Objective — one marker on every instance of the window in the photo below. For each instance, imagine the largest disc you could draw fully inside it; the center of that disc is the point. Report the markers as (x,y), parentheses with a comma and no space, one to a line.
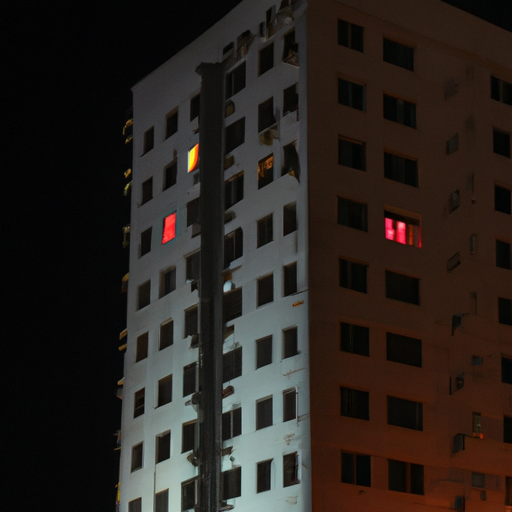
(233,246)
(143,295)
(149,140)
(232,483)
(508,490)
(191,321)
(398,168)
(400,111)
(189,494)
(163,447)
(477,423)
(355,403)
(290,344)
(232,304)
(265,171)
(355,339)
(289,218)
(242,44)
(504,311)
(264,413)
(405,413)
(351,94)
(266,58)
(194,212)
(356,469)
(264,474)
(167,281)
(291,161)
(290,469)
(170,174)
(506,370)
(232,364)
(477,479)
(166,334)
(452,144)
(235,135)
(138,403)
(263,352)
(142,347)
(351,153)
(162,501)
(169,228)
(350,35)
(136,456)
(188,436)
(398,54)
(501,143)
(290,49)
(352,214)
(235,80)
(403,349)
(171,124)
(266,116)
(265,230)
(164,391)
(507,429)
(290,99)
(265,290)
(290,279)
(189,379)
(195,106)
(403,288)
(145,242)
(234,190)
(501,90)
(405,477)
(502,199)
(289,404)
(232,423)
(193,264)
(135,505)
(503,255)
(147,191)
(353,275)
(402,229)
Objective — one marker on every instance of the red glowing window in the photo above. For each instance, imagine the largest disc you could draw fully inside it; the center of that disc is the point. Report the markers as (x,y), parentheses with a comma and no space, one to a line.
(169,230)
(404,230)
(193,158)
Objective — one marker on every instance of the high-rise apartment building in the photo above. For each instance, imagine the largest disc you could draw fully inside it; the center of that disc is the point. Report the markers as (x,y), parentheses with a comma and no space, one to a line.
(367,351)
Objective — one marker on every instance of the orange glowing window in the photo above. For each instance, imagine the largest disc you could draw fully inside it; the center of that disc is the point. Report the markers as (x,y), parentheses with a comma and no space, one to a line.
(193,158)
(404,230)
(169,230)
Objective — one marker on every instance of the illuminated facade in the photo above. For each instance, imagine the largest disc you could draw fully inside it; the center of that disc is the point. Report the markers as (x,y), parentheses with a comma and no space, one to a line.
(367,263)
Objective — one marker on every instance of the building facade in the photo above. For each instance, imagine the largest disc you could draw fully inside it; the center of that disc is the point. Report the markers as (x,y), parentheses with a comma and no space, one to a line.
(367,263)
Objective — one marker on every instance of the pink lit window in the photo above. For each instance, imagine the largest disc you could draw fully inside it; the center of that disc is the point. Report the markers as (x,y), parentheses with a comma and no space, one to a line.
(402,229)
(169,230)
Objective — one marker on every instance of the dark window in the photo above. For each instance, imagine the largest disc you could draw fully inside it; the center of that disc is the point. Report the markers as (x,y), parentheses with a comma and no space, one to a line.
(188,436)
(400,111)
(351,94)
(149,140)
(138,403)
(352,154)
(171,124)
(189,494)
(232,304)
(403,349)
(233,190)
(405,413)
(166,334)
(265,290)
(506,370)
(137,456)
(266,116)
(290,49)
(194,212)
(452,144)
(235,135)
(264,413)
(508,490)
(170,174)
(290,279)
(142,347)
(232,423)
(232,483)
(504,311)
(501,90)
(507,429)
(193,264)
(503,254)
(405,477)
(242,44)
(163,447)
(266,58)
(135,505)
(235,80)
(189,379)
(350,35)
(191,321)
(147,191)
(398,54)
(144,295)
(502,199)
(164,391)
(265,171)
(291,163)
(401,229)
(232,365)
(403,288)
(162,501)
(289,404)
(356,469)
(290,99)
(290,469)
(398,168)
(501,143)
(265,230)
(355,403)
(195,106)
(353,275)
(167,281)
(233,246)
(352,214)
(290,342)
(145,241)
(355,339)
(289,218)
(264,474)
(477,479)
(263,352)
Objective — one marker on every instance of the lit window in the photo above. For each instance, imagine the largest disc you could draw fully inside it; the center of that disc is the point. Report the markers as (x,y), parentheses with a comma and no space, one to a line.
(401,229)
(193,158)
(265,171)
(169,228)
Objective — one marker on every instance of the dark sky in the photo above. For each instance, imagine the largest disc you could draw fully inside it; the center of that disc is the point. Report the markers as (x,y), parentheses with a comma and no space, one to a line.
(69,70)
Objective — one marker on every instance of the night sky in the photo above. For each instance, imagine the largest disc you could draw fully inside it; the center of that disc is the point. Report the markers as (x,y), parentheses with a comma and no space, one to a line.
(69,70)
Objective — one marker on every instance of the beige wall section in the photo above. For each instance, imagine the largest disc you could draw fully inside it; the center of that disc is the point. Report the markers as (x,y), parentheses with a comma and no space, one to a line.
(450,45)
